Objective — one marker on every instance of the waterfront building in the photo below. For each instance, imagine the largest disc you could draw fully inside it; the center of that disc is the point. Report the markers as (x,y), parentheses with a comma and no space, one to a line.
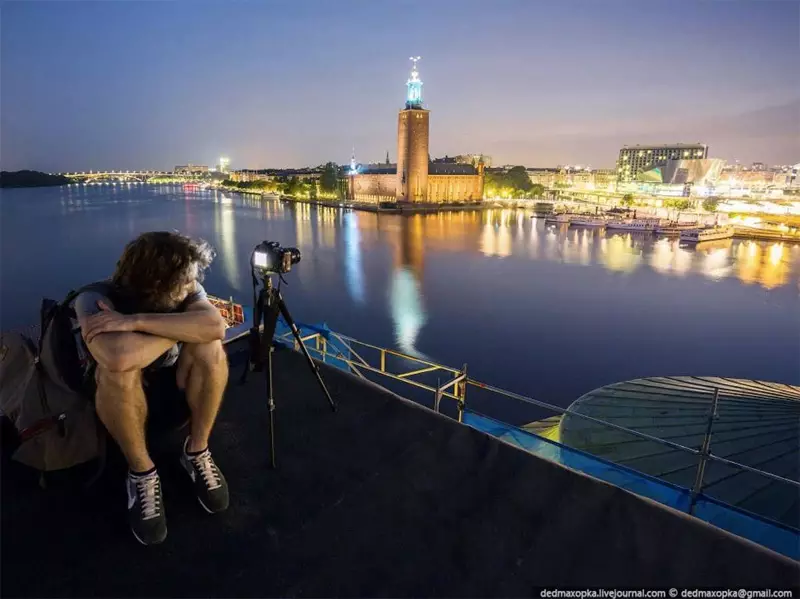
(414,178)
(543,176)
(191,169)
(605,179)
(636,159)
(246,175)
(268,174)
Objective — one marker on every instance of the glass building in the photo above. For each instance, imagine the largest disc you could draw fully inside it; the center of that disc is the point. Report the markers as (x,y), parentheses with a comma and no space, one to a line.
(637,159)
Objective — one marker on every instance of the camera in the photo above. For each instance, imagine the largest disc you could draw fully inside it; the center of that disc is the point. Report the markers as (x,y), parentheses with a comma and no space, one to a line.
(270,258)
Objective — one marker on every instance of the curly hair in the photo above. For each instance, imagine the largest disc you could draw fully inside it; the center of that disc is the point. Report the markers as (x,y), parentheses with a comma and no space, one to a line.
(155,267)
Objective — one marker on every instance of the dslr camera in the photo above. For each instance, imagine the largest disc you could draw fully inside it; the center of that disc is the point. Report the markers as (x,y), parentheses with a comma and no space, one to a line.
(270,258)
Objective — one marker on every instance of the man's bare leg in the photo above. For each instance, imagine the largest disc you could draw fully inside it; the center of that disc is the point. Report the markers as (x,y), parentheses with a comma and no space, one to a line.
(121,405)
(203,373)
(122,408)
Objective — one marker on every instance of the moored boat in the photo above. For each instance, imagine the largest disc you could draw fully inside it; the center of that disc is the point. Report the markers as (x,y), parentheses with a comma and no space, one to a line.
(588,221)
(674,229)
(635,224)
(558,219)
(706,234)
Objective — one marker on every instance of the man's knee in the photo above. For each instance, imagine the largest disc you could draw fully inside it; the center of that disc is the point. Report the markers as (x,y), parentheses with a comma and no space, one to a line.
(128,380)
(207,355)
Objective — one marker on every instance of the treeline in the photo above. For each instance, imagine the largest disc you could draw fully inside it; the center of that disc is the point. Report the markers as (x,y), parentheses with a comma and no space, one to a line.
(513,183)
(326,185)
(30,179)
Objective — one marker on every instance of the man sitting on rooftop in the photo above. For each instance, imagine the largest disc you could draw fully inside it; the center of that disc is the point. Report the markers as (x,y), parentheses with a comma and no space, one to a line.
(152,314)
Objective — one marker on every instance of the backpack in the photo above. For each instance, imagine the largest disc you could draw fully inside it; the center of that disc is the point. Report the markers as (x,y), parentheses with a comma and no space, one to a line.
(46,392)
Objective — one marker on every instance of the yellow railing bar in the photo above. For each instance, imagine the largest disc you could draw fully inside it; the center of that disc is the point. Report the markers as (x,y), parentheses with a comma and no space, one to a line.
(397,378)
(455,381)
(396,353)
(355,353)
(420,371)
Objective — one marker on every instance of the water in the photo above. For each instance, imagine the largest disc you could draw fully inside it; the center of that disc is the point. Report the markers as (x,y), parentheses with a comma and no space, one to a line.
(545,312)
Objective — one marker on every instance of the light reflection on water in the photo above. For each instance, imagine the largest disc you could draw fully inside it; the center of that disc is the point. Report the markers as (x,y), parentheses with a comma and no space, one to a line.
(496,289)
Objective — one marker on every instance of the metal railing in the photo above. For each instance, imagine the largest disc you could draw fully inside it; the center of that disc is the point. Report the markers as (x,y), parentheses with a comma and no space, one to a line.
(365,358)
(453,388)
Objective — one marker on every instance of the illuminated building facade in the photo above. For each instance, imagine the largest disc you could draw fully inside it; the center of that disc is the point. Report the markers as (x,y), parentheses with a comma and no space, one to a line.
(683,172)
(191,169)
(636,159)
(414,179)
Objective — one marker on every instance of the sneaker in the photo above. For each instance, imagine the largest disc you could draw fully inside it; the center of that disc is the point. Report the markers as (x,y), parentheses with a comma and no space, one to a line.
(146,508)
(209,484)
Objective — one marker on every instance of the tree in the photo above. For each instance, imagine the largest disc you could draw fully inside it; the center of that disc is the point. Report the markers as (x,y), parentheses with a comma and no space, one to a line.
(514,183)
(517,178)
(627,200)
(537,190)
(678,203)
(329,181)
(710,204)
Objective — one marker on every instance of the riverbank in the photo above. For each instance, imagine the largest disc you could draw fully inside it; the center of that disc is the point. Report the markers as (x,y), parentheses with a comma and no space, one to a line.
(382,208)
(12,179)
(741,232)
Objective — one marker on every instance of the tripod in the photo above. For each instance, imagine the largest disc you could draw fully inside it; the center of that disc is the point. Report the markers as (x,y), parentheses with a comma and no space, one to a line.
(267,305)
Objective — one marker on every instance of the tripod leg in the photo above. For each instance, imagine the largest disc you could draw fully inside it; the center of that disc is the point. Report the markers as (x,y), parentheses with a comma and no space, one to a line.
(271,404)
(253,351)
(313,365)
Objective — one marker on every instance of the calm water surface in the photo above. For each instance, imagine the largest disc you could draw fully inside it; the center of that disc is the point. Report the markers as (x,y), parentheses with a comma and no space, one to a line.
(547,312)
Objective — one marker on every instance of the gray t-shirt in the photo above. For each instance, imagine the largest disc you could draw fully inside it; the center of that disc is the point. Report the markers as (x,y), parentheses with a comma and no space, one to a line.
(86,305)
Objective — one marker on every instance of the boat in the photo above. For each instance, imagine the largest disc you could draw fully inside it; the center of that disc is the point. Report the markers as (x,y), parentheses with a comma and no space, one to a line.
(706,234)
(588,221)
(674,229)
(542,209)
(636,224)
(558,219)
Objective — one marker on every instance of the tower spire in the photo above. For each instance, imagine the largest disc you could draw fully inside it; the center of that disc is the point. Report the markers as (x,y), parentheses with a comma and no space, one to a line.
(387,157)
(414,86)
(353,165)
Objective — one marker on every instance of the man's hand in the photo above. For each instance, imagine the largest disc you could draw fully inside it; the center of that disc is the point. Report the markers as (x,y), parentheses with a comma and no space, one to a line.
(106,321)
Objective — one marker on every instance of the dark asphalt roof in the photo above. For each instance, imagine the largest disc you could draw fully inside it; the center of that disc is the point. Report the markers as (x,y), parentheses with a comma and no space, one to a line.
(450,168)
(383,498)
(379,170)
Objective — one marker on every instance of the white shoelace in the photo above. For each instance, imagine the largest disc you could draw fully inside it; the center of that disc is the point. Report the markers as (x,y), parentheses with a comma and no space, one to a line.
(207,469)
(149,489)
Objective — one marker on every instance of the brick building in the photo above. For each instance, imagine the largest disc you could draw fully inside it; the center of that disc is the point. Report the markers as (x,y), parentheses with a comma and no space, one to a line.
(414,178)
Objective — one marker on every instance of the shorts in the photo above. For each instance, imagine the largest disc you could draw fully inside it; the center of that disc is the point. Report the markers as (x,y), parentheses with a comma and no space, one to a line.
(166,360)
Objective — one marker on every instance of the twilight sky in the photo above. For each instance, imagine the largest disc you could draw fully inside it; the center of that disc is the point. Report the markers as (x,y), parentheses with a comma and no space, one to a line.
(140,84)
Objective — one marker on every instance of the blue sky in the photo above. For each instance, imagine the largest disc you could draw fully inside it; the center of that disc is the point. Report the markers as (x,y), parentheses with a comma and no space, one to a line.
(135,84)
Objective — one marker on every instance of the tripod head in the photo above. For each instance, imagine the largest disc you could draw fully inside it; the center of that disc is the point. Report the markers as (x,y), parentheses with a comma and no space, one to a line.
(269,257)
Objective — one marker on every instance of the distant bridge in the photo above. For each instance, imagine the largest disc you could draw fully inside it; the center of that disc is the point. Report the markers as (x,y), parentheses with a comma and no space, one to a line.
(140,176)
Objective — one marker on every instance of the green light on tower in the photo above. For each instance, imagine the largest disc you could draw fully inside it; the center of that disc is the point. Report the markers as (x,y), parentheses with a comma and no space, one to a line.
(414,86)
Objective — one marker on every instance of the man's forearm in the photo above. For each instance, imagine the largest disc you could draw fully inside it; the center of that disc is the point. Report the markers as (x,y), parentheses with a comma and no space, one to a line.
(201,326)
(121,352)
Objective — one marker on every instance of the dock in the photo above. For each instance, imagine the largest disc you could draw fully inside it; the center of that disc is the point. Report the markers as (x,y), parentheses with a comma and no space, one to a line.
(382,498)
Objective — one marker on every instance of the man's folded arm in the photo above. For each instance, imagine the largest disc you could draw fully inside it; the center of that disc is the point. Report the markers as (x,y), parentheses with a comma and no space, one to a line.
(121,352)
(118,351)
(200,323)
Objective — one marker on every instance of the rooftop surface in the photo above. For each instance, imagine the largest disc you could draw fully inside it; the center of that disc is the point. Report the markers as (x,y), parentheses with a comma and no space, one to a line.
(757,424)
(382,498)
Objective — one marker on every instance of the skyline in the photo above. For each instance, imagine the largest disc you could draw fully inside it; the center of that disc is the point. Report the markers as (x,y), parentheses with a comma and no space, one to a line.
(151,85)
